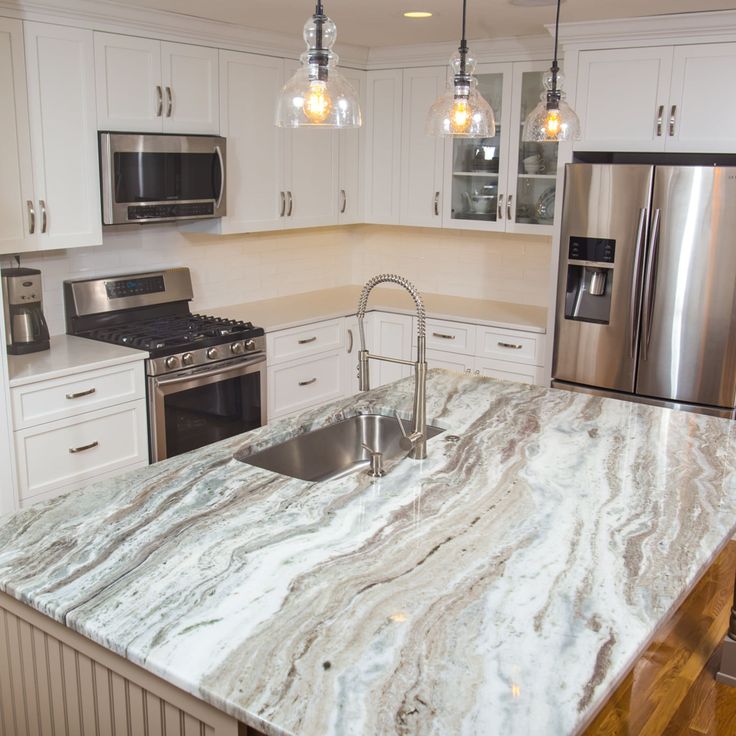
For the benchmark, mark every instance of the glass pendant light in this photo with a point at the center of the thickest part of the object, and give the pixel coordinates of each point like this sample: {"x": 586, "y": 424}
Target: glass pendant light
{"x": 552, "y": 119}
{"x": 461, "y": 110}
{"x": 317, "y": 94}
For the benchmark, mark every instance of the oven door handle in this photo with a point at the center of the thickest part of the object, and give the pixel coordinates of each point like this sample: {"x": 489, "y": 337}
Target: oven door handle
{"x": 221, "y": 372}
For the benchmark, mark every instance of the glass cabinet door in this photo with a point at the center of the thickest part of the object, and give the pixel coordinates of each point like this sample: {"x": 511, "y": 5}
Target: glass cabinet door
{"x": 478, "y": 167}
{"x": 536, "y": 164}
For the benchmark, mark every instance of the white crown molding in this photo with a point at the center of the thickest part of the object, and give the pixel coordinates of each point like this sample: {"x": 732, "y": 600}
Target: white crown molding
{"x": 656, "y": 30}
{"x": 520, "y": 48}
{"x": 117, "y": 17}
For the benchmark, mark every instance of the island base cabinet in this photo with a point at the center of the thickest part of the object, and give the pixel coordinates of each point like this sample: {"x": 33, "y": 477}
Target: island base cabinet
{"x": 53, "y": 680}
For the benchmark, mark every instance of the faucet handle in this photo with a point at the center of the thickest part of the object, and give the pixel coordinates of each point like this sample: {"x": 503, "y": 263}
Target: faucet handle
{"x": 407, "y": 441}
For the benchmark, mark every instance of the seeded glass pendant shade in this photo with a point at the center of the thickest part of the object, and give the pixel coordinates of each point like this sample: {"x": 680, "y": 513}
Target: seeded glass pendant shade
{"x": 461, "y": 110}
{"x": 317, "y": 95}
{"x": 552, "y": 119}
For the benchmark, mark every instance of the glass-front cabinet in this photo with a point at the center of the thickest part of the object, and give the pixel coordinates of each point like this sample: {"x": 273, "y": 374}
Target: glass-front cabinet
{"x": 502, "y": 183}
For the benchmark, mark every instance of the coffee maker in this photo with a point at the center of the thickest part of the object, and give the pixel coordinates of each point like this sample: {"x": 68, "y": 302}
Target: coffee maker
{"x": 26, "y": 330}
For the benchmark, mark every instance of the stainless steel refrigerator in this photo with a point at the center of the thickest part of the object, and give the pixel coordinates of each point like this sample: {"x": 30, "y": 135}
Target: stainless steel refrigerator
{"x": 646, "y": 305}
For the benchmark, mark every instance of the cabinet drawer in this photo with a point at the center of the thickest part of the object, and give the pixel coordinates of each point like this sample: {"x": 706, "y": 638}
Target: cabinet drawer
{"x": 310, "y": 339}
{"x": 449, "y": 361}
{"x": 296, "y": 386}
{"x": 509, "y": 371}
{"x": 509, "y": 345}
{"x": 450, "y": 337}
{"x": 74, "y": 450}
{"x": 47, "y": 401}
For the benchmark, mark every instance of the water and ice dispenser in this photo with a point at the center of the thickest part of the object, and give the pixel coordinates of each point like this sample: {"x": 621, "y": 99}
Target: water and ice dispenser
{"x": 589, "y": 279}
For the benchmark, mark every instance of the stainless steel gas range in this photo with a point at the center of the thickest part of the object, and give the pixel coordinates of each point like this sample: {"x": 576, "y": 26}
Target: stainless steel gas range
{"x": 206, "y": 376}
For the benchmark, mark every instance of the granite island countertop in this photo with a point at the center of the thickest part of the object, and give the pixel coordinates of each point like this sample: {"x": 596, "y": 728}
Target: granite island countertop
{"x": 504, "y": 585}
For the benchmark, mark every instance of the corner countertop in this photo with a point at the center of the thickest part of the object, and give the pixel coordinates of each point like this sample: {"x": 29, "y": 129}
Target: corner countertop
{"x": 291, "y": 311}
{"x": 504, "y": 585}
{"x": 67, "y": 356}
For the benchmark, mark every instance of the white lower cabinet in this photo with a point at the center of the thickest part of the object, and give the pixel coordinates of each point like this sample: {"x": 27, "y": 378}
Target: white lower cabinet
{"x": 391, "y": 335}
{"x": 450, "y": 361}
{"x": 73, "y": 430}
{"x": 508, "y": 371}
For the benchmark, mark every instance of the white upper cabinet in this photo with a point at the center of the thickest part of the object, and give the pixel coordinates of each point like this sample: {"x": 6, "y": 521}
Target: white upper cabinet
{"x": 702, "y": 109}
{"x": 622, "y": 98}
{"x": 61, "y": 101}
{"x": 17, "y": 198}
{"x": 256, "y": 198}
{"x": 383, "y": 147}
{"x": 149, "y": 86}
{"x": 351, "y": 159}
{"x": 421, "y": 155}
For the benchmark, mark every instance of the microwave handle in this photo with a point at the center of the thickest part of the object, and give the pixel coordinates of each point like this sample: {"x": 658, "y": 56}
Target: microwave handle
{"x": 218, "y": 151}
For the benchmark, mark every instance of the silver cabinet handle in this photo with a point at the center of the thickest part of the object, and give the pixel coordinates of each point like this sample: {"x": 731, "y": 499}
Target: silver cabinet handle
{"x": 509, "y": 215}
{"x": 160, "y": 103}
{"x": 673, "y": 114}
{"x": 169, "y": 102}
{"x": 308, "y": 383}
{"x": 443, "y": 335}
{"x": 291, "y": 203}
{"x": 660, "y": 116}
{"x": 344, "y": 200}
{"x": 31, "y": 217}
{"x": 75, "y": 450}
{"x": 437, "y": 203}
{"x": 635, "y": 301}
{"x": 649, "y": 284}
{"x": 79, "y": 394}
{"x": 283, "y": 204}
{"x": 44, "y": 217}
{"x": 510, "y": 345}
{"x": 499, "y": 209}
{"x": 307, "y": 340}
{"x": 218, "y": 151}
{"x": 350, "y": 343}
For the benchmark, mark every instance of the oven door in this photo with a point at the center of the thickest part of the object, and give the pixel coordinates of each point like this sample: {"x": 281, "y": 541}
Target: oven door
{"x": 204, "y": 405}
{"x": 155, "y": 178}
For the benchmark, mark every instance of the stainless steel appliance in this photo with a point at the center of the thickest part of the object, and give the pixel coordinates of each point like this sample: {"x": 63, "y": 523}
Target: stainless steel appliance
{"x": 646, "y": 303}
{"x": 26, "y": 330}
{"x": 158, "y": 178}
{"x": 206, "y": 376}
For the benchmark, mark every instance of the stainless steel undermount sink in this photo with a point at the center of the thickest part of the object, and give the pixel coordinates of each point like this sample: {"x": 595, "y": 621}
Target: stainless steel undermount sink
{"x": 336, "y": 450}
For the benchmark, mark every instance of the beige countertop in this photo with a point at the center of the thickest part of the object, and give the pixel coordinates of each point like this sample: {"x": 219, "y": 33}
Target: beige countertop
{"x": 67, "y": 356}
{"x": 291, "y": 311}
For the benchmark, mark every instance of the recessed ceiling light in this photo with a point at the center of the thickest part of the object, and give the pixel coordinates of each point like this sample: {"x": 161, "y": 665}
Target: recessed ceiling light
{"x": 417, "y": 14}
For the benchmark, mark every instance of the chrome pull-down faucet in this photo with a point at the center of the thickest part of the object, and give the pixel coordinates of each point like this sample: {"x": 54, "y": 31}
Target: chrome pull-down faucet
{"x": 416, "y": 441}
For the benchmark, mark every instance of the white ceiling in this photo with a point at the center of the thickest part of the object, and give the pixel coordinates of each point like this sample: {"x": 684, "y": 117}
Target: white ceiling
{"x": 381, "y": 23}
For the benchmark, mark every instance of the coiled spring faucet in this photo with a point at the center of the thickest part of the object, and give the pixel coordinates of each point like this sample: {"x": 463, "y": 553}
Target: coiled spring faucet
{"x": 415, "y": 442}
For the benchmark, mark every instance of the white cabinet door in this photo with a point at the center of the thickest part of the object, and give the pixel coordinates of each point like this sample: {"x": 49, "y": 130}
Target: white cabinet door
{"x": 622, "y": 98}
{"x": 421, "y": 155}
{"x": 508, "y": 371}
{"x": 702, "y": 110}
{"x": 450, "y": 361}
{"x": 351, "y": 160}
{"x": 130, "y": 95}
{"x": 190, "y": 80}
{"x": 382, "y": 178}
{"x": 17, "y": 206}
{"x": 392, "y": 337}
{"x": 255, "y": 191}
{"x": 61, "y": 101}
{"x": 352, "y": 346}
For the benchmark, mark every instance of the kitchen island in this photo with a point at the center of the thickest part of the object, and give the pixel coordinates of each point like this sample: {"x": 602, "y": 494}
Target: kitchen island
{"x": 504, "y": 585}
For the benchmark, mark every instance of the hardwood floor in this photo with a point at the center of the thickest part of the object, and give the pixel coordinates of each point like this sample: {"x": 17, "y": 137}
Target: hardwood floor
{"x": 671, "y": 691}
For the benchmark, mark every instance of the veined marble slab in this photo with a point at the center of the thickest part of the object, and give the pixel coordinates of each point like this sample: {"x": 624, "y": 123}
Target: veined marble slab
{"x": 502, "y": 586}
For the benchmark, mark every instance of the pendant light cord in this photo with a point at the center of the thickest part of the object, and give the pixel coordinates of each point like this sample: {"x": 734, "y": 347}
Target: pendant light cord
{"x": 319, "y": 15}
{"x": 463, "y": 41}
{"x": 555, "y": 65}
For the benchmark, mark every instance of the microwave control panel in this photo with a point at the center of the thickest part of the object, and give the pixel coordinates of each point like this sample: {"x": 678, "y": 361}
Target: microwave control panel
{"x": 171, "y": 211}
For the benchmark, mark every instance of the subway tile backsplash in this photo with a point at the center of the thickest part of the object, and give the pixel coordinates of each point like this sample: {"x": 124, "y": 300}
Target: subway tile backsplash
{"x": 235, "y": 269}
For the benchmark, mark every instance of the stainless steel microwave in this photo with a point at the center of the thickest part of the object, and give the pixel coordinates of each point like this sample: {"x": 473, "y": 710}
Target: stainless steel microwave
{"x": 158, "y": 178}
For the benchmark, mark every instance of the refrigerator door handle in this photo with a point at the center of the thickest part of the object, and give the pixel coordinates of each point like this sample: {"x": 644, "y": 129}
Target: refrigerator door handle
{"x": 635, "y": 304}
{"x": 649, "y": 283}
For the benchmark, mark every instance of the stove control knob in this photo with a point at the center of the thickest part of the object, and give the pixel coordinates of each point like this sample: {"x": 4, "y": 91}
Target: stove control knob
{"x": 250, "y": 344}
{"x": 187, "y": 359}
{"x": 212, "y": 354}
{"x": 237, "y": 348}
{"x": 171, "y": 362}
